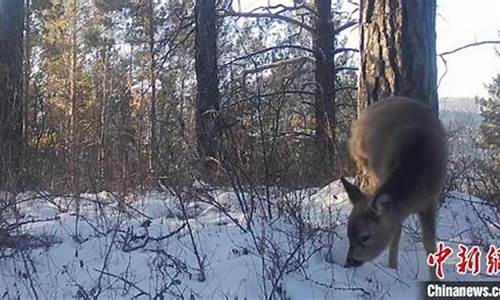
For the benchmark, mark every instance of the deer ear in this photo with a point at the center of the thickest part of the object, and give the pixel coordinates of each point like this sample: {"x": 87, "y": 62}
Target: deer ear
{"x": 354, "y": 193}
{"x": 380, "y": 204}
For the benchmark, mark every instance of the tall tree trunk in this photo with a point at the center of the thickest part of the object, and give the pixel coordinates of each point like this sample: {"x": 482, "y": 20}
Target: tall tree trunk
{"x": 73, "y": 96}
{"x": 153, "y": 149}
{"x": 126, "y": 137}
{"x": 398, "y": 51}
{"x": 104, "y": 90}
{"x": 207, "y": 97}
{"x": 11, "y": 87}
{"x": 27, "y": 65}
{"x": 325, "y": 80}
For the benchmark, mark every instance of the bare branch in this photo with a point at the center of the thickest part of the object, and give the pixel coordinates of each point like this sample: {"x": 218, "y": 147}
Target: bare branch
{"x": 340, "y": 69}
{"x": 345, "y": 26}
{"x": 278, "y": 93}
{"x": 267, "y": 50}
{"x": 269, "y": 16}
{"x": 345, "y": 49}
{"x": 445, "y": 70}
{"x": 491, "y": 42}
{"x": 284, "y": 8}
{"x": 445, "y": 62}
{"x": 280, "y": 63}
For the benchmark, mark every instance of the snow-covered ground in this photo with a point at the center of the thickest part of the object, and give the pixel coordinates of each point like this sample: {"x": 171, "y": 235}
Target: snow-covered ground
{"x": 140, "y": 246}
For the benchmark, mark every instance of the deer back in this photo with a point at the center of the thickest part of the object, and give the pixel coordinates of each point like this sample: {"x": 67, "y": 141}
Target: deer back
{"x": 400, "y": 144}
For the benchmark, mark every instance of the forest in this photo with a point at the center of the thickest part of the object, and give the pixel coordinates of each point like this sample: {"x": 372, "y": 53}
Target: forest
{"x": 192, "y": 149}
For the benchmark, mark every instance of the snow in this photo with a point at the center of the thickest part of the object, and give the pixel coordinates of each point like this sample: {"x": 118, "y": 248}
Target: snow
{"x": 105, "y": 246}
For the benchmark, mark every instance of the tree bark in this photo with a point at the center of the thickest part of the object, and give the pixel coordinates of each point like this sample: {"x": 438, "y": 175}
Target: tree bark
{"x": 325, "y": 81}
{"x": 398, "y": 51}
{"x": 207, "y": 97}
{"x": 11, "y": 91}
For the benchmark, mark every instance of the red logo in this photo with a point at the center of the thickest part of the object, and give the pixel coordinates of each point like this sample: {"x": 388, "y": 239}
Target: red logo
{"x": 493, "y": 260}
{"x": 437, "y": 259}
{"x": 469, "y": 260}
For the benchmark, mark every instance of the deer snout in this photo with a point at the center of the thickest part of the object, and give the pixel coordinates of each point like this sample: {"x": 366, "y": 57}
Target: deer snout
{"x": 353, "y": 263}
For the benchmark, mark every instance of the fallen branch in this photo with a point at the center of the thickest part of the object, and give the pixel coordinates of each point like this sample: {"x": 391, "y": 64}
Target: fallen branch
{"x": 25, "y": 241}
{"x": 129, "y": 236}
{"x": 124, "y": 280}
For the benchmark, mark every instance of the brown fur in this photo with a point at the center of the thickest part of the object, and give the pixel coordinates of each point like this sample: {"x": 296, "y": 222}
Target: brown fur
{"x": 400, "y": 146}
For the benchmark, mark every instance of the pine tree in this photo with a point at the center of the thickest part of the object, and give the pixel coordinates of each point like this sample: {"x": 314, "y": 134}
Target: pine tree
{"x": 490, "y": 127}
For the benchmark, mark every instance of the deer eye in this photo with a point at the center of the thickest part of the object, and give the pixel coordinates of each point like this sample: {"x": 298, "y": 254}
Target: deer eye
{"x": 372, "y": 215}
{"x": 365, "y": 239}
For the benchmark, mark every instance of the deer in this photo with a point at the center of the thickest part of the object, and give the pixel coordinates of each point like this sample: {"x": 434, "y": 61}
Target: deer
{"x": 399, "y": 146}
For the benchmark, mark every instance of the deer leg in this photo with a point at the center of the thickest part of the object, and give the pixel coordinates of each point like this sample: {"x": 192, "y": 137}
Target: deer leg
{"x": 428, "y": 224}
{"x": 393, "y": 248}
